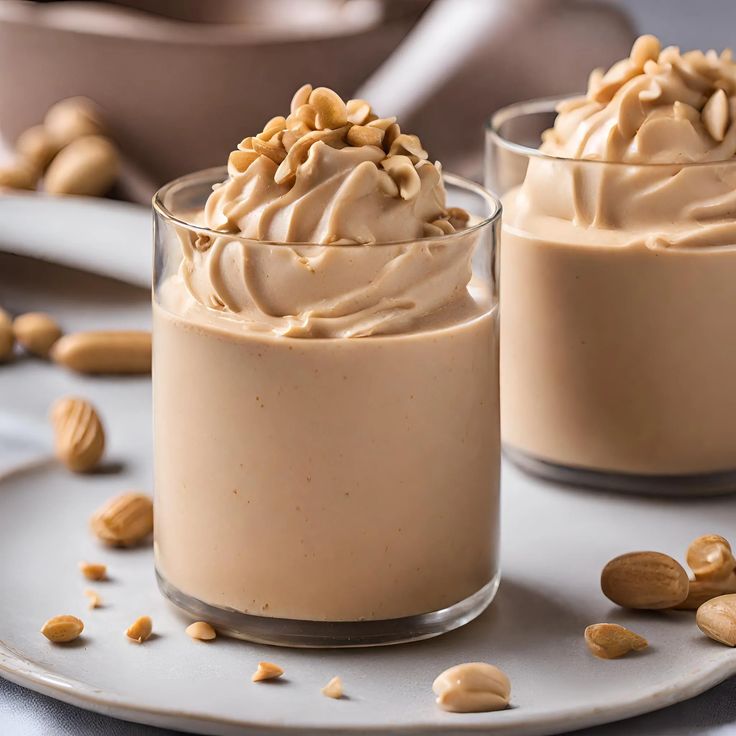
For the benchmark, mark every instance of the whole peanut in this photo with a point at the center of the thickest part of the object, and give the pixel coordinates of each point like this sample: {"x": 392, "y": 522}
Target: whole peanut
{"x": 87, "y": 166}
{"x": 36, "y": 332}
{"x": 19, "y": 175}
{"x": 37, "y": 146}
{"x": 72, "y": 118}
{"x": 122, "y": 351}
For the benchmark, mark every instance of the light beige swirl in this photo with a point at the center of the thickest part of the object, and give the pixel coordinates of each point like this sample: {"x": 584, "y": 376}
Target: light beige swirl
{"x": 324, "y": 228}
{"x": 327, "y": 291}
{"x": 336, "y": 198}
{"x": 655, "y": 107}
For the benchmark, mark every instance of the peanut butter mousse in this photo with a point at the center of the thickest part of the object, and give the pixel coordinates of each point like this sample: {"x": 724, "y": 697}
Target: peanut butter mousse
{"x": 326, "y": 381}
{"x": 619, "y": 260}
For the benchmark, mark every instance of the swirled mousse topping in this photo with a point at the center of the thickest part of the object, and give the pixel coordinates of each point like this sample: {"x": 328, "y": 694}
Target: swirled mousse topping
{"x": 324, "y": 219}
{"x": 330, "y": 172}
{"x": 657, "y": 106}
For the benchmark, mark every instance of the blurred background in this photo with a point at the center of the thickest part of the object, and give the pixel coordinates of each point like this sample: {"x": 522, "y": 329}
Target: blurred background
{"x": 180, "y": 82}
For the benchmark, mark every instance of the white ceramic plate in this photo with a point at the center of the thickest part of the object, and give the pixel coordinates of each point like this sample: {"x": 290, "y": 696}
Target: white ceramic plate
{"x": 554, "y": 545}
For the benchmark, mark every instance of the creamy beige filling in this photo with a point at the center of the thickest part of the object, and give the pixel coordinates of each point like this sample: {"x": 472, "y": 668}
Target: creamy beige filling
{"x": 330, "y": 480}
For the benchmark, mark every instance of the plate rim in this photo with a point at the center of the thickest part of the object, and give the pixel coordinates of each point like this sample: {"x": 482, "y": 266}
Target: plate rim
{"x": 82, "y": 695}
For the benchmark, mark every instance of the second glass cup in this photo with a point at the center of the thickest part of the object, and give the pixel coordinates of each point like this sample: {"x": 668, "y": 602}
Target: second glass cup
{"x": 323, "y": 478}
{"x": 619, "y": 314}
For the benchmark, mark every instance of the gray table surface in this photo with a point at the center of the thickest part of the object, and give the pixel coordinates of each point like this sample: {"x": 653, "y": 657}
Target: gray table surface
{"x": 25, "y": 713}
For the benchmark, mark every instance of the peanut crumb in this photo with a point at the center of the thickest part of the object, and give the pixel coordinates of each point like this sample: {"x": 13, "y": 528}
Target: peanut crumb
{"x": 267, "y": 671}
{"x": 140, "y": 629}
{"x": 201, "y": 631}
{"x": 333, "y": 689}
{"x": 93, "y": 570}
{"x": 94, "y": 599}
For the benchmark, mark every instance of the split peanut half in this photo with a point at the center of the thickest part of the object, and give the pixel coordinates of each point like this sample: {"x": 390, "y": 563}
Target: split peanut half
{"x": 716, "y": 618}
{"x": 611, "y": 641}
{"x": 472, "y": 687}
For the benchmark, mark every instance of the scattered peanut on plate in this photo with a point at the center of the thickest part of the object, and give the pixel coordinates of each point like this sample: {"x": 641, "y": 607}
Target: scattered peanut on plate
{"x": 653, "y": 580}
{"x": 333, "y": 689}
{"x": 93, "y": 570}
{"x": 62, "y": 629}
{"x": 611, "y": 641}
{"x": 716, "y": 618}
{"x": 140, "y": 630}
{"x": 644, "y": 580}
{"x": 94, "y": 598}
{"x": 201, "y": 630}
{"x": 79, "y": 438}
{"x": 124, "y": 520}
{"x": 267, "y": 671}
{"x": 472, "y": 687}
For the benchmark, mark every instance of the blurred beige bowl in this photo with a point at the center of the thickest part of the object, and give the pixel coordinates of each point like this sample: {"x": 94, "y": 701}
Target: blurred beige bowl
{"x": 181, "y": 83}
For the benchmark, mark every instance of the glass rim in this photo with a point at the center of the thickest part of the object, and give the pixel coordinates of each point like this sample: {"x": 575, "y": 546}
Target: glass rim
{"x": 219, "y": 173}
{"x": 548, "y": 104}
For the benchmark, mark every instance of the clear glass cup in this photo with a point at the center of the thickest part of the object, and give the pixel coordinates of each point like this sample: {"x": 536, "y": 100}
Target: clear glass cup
{"x": 619, "y": 314}
{"x": 322, "y": 490}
